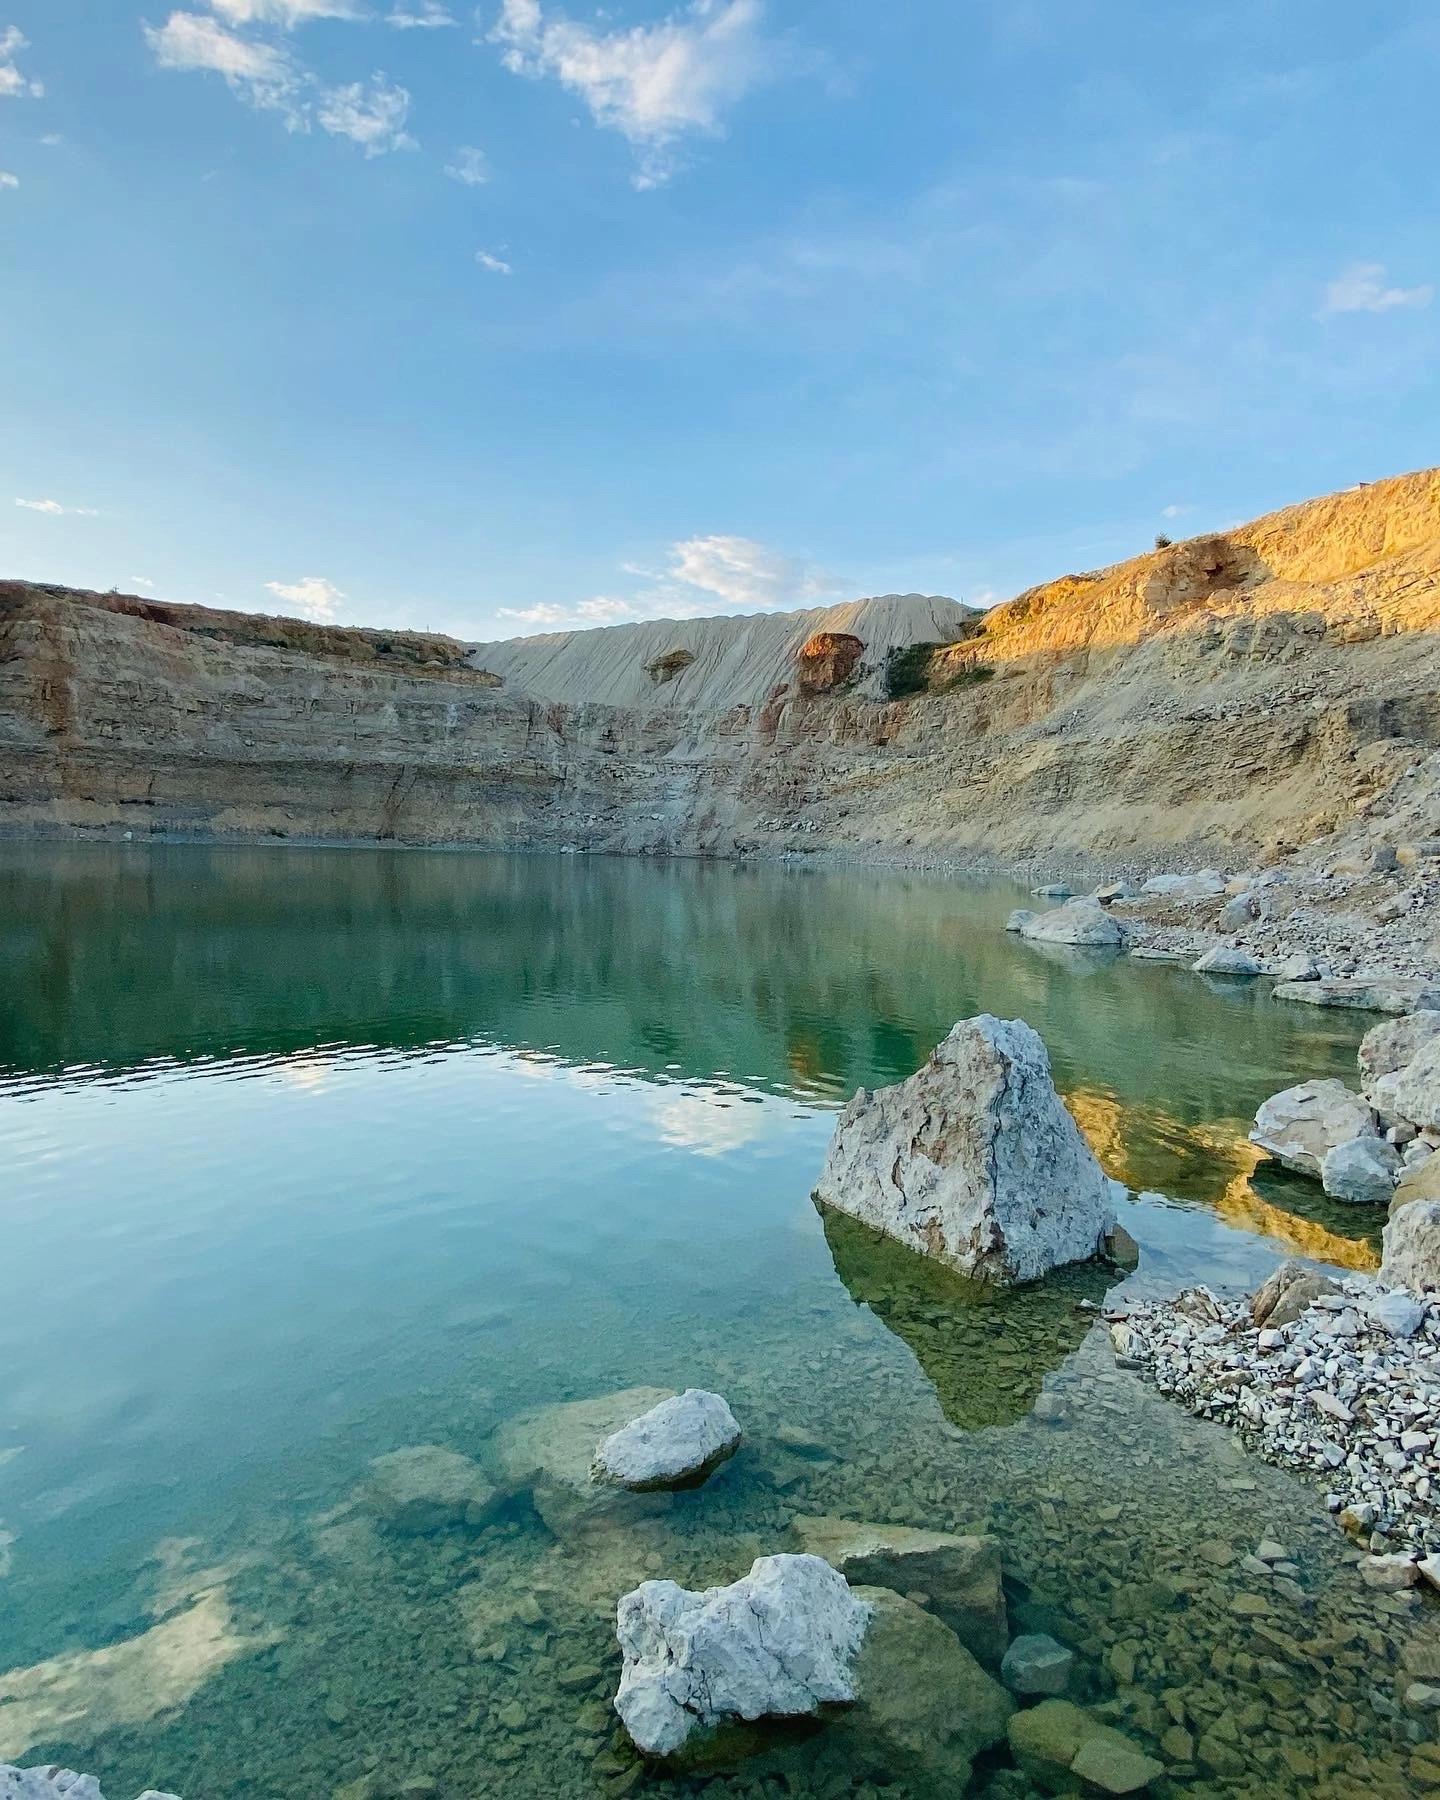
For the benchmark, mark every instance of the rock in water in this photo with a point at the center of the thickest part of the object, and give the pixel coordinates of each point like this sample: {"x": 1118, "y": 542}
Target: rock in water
{"x": 1037, "y": 1664}
{"x": 1300, "y": 1124}
{"x": 960, "y": 1575}
{"x": 551, "y": 1451}
{"x": 1082, "y": 922}
{"x": 974, "y": 1160}
{"x": 676, "y": 1444}
{"x": 426, "y": 1487}
{"x": 49, "y": 1782}
{"x": 779, "y": 1643}
{"x": 1362, "y": 1170}
{"x": 1224, "y": 960}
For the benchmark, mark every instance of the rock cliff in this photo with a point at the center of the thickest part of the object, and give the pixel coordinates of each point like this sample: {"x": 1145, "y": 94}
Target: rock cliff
{"x": 1259, "y": 688}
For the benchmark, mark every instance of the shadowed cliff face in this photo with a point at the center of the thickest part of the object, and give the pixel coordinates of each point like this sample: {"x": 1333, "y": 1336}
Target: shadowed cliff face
{"x": 1269, "y": 685}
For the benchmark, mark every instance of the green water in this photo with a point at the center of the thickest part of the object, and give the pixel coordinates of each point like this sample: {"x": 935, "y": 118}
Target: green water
{"x": 308, "y": 1156}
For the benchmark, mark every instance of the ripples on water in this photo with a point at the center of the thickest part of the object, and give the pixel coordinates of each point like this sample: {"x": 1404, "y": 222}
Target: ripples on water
{"x": 312, "y": 1155}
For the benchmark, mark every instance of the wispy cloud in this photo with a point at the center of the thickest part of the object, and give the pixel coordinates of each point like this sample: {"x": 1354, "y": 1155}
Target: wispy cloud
{"x": 312, "y": 597}
{"x": 56, "y": 510}
{"x": 13, "y": 84}
{"x": 7, "y": 180}
{"x": 373, "y": 117}
{"x": 655, "y": 84}
{"x": 140, "y": 581}
{"x": 1175, "y": 511}
{"x": 1362, "y": 288}
{"x": 495, "y": 264}
{"x": 702, "y": 575}
{"x": 469, "y": 166}
{"x": 266, "y": 76}
{"x": 285, "y": 13}
{"x": 420, "y": 15}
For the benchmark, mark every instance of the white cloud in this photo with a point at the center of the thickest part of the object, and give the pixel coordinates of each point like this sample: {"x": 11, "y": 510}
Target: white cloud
{"x": 312, "y": 596}
{"x": 56, "y": 510}
{"x": 469, "y": 166}
{"x": 51, "y": 139}
{"x": 743, "y": 573}
{"x": 1174, "y": 511}
{"x": 420, "y": 15}
{"x": 372, "y": 117}
{"x": 285, "y": 13}
{"x": 1361, "y": 288}
{"x": 14, "y": 85}
{"x": 260, "y": 74}
{"x": 655, "y": 84}
{"x": 267, "y": 77}
{"x": 141, "y": 581}
{"x": 495, "y": 264}
{"x": 7, "y": 180}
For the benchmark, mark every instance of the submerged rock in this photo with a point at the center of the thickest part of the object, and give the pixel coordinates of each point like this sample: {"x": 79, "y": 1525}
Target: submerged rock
{"x": 960, "y": 1576}
{"x": 974, "y": 1160}
{"x": 678, "y": 1443}
{"x": 1362, "y": 1170}
{"x": 1299, "y": 1125}
{"x": 1082, "y": 922}
{"x": 48, "y": 1781}
{"x": 426, "y": 1487}
{"x": 779, "y": 1643}
{"x": 1037, "y": 1664}
{"x": 551, "y": 1450}
{"x": 1059, "y": 1746}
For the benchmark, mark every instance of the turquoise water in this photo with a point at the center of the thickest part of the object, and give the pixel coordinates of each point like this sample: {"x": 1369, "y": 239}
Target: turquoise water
{"x": 313, "y": 1155}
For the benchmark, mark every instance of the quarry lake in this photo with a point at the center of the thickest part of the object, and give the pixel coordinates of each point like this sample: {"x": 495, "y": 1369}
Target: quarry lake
{"x": 311, "y": 1156}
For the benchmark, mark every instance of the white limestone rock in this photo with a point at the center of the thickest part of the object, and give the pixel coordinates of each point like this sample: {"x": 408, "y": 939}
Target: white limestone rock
{"x": 1362, "y": 1170}
{"x": 1368, "y": 994}
{"x": 1391, "y": 1046}
{"x": 1020, "y": 918}
{"x": 779, "y": 1643}
{"x": 1300, "y": 1124}
{"x": 1081, "y": 922}
{"x": 1224, "y": 959}
{"x": 974, "y": 1160}
{"x": 1204, "y": 884}
{"x": 1416, "y": 1093}
{"x": 48, "y": 1781}
{"x": 1411, "y": 1246}
{"x": 676, "y": 1444}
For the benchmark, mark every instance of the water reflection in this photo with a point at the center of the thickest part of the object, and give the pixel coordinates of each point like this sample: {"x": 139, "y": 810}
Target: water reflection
{"x": 986, "y": 1352}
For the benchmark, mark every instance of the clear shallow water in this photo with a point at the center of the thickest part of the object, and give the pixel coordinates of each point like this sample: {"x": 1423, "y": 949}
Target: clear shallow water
{"x": 312, "y": 1155}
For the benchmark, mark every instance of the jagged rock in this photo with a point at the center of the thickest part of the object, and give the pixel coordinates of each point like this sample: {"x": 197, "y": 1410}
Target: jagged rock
{"x": 827, "y": 660}
{"x": 779, "y": 1643}
{"x": 1299, "y": 967}
{"x": 1418, "y": 1181}
{"x": 1288, "y": 1292}
{"x": 1366, "y": 994}
{"x": 1116, "y": 890}
{"x": 426, "y": 1487}
{"x": 1411, "y": 1246}
{"x": 1020, "y": 918}
{"x": 1389, "y": 1047}
{"x": 1236, "y": 914}
{"x": 678, "y": 1443}
{"x": 1416, "y": 1092}
{"x": 1036, "y": 1664}
{"x": 1300, "y": 1124}
{"x": 1223, "y": 960}
{"x": 550, "y": 1450}
{"x": 1081, "y": 922}
{"x": 48, "y": 1781}
{"x": 1362, "y": 1170}
{"x": 960, "y": 1575}
{"x": 973, "y": 1160}
{"x": 924, "y": 1708}
{"x": 668, "y": 665}
{"x": 1202, "y": 885}
{"x": 1397, "y": 1310}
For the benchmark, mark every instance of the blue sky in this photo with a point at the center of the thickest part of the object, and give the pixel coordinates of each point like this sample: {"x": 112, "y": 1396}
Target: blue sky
{"x": 395, "y": 311}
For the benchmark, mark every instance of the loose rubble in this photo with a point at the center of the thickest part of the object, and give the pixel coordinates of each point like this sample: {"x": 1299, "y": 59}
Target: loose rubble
{"x": 1339, "y": 1379}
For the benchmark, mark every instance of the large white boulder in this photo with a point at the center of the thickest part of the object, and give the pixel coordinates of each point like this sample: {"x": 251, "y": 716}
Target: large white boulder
{"x": 48, "y": 1781}
{"x": 1082, "y": 922}
{"x": 1411, "y": 1246}
{"x": 676, "y": 1444}
{"x": 779, "y": 1643}
{"x": 1224, "y": 959}
{"x": 1300, "y": 1124}
{"x": 1416, "y": 1092}
{"x": 974, "y": 1160}
{"x": 1363, "y": 1170}
{"x": 1395, "y": 1043}
{"x": 1204, "y": 884}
